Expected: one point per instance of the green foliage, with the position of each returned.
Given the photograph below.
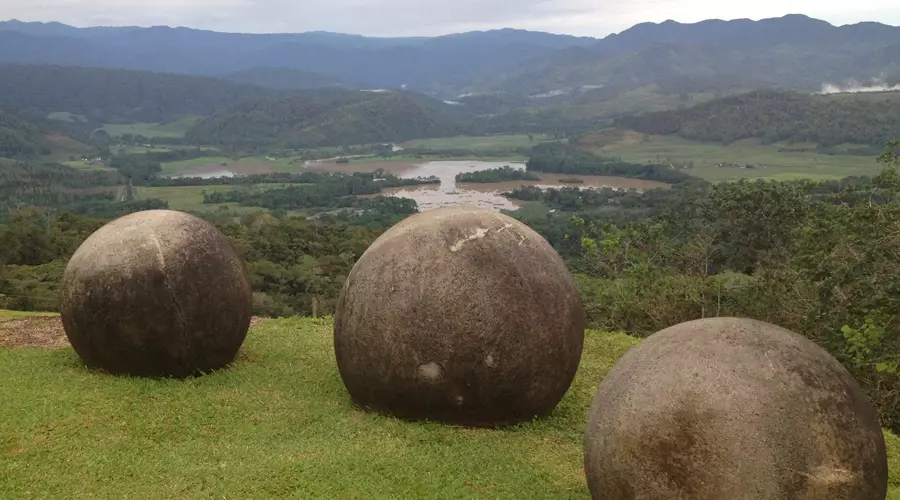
(779, 116)
(116, 95)
(50, 184)
(323, 118)
(322, 191)
(20, 138)
(565, 159)
(505, 173)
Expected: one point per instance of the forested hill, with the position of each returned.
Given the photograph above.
(792, 51)
(110, 95)
(414, 61)
(828, 120)
(329, 118)
(19, 137)
(289, 79)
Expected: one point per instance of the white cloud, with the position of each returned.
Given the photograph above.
(430, 17)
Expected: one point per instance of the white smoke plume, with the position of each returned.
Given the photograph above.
(853, 86)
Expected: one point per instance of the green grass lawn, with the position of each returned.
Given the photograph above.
(6, 314)
(779, 165)
(279, 423)
(475, 142)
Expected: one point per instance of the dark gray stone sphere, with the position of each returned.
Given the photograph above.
(460, 315)
(156, 293)
(732, 408)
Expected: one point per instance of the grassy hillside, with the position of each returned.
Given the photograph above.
(278, 423)
(323, 118)
(828, 120)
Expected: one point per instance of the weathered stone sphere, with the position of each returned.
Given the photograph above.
(737, 409)
(459, 315)
(156, 293)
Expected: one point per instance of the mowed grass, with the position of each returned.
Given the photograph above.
(6, 315)
(279, 423)
(476, 143)
(778, 165)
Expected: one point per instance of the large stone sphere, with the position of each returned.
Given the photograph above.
(156, 293)
(737, 409)
(459, 315)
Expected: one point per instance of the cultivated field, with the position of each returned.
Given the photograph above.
(278, 423)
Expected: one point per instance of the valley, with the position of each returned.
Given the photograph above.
(724, 168)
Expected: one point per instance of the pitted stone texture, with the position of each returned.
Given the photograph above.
(732, 408)
(156, 293)
(460, 315)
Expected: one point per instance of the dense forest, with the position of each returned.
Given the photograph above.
(504, 173)
(319, 192)
(328, 118)
(780, 116)
(116, 95)
(19, 137)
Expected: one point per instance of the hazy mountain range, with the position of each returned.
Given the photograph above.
(794, 51)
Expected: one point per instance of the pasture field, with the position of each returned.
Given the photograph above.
(184, 198)
(278, 423)
(476, 142)
(770, 162)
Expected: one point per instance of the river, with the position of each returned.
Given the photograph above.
(449, 192)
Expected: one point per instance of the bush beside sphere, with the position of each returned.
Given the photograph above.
(156, 293)
(737, 409)
(460, 315)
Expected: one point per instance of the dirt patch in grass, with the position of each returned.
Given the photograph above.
(43, 331)
(33, 332)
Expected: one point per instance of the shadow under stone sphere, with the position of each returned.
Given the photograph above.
(460, 315)
(732, 408)
(156, 293)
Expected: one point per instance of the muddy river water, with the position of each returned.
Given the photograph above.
(449, 192)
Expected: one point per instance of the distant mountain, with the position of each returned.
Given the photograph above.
(289, 79)
(418, 62)
(647, 67)
(792, 51)
(828, 120)
(108, 95)
(328, 118)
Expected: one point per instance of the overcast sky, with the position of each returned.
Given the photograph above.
(430, 17)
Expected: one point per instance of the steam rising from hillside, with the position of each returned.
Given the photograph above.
(852, 86)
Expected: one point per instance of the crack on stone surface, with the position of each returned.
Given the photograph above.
(479, 233)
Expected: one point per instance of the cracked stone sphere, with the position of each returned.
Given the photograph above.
(156, 293)
(732, 408)
(460, 315)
